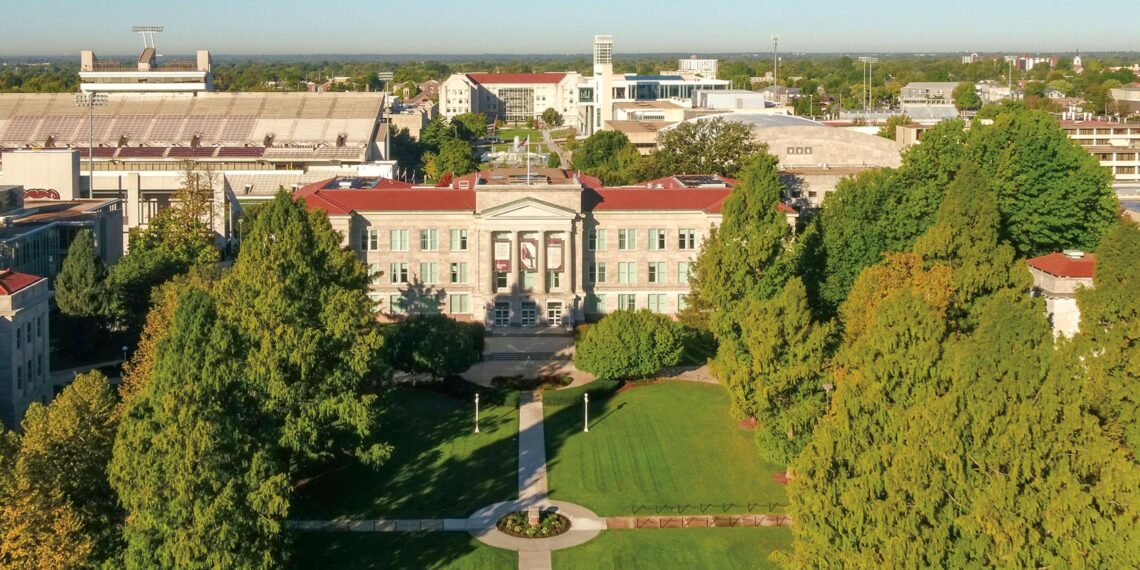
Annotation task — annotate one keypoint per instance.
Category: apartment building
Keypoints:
(1115, 145)
(512, 248)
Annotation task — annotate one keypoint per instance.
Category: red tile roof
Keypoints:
(1061, 265)
(12, 281)
(485, 78)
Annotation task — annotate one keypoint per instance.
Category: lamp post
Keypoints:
(125, 348)
(476, 412)
(586, 408)
(90, 100)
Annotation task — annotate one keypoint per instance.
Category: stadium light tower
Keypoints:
(90, 100)
(147, 32)
(868, 79)
(775, 59)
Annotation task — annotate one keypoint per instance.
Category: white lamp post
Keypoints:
(586, 423)
(476, 412)
(90, 100)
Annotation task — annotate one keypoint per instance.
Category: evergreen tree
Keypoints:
(309, 337)
(79, 287)
(850, 509)
(1109, 341)
(966, 237)
(65, 448)
(192, 463)
(784, 354)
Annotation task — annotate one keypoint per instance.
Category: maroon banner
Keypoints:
(528, 254)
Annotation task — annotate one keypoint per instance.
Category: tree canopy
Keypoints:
(710, 146)
(629, 345)
(608, 155)
(79, 287)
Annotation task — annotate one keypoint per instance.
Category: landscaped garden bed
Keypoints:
(550, 524)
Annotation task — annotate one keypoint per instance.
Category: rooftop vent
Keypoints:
(1074, 254)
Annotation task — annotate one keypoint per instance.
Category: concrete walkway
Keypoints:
(532, 450)
(556, 148)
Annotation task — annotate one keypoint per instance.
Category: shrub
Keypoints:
(431, 344)
(629, 344)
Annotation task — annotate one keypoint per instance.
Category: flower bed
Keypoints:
(549, 524)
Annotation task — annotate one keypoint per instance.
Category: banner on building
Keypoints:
(554, 255)
(502, 255)
(528, 254)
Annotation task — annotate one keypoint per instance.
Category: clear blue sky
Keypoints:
(63, 27)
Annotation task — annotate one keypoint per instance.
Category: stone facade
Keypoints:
(25, 374)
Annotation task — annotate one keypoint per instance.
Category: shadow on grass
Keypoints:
(439, 468)
(396, 550)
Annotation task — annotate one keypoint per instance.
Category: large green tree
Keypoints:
(193, 462)
(783, 356)
(1052, 194)
(966, 97)
(309, 338)
(608, 155)
(1109, 340)
(709, 146)
(629, 345)
(431, 344)
(454, 156)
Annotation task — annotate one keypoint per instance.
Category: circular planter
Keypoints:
(550, 524)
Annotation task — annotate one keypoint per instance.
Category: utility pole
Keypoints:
(775, 59)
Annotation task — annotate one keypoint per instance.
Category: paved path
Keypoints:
(556, 148)
(532, 450)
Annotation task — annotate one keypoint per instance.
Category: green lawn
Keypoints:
(667, 448)
(452, 550)
(439, 468)
(666, 549)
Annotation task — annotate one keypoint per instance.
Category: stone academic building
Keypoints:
(508, 247)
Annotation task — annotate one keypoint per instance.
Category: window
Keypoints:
(598, 272)
(396, 304)
(369, 240)
(657, 303)
(627, 272)
(500, 280)
(683, 270)
(656, 271)
(19, 337)
(399, 240)
(429, 272)
(627, 302)
(682, 302)
(553, 279)
(595, 304)
(458, 304)
(528, 280)
(398, 273)
(459, 272)
(429, 240)
(656, 240)
(687, 239)
(596, 240)
(458, 240)
(39, 327)
(19, 377)
(373, 272)
(627, 240)
(40, 366)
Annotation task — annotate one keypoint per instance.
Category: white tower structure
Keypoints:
(604, 80)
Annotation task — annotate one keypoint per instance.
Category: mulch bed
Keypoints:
(781, 477)
(750, 423)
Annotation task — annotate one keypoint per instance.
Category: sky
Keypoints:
(254, 27)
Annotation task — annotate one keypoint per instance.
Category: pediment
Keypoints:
(528, 209)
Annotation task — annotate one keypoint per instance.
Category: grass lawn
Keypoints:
(668, 448)
(676, 548)
(438, 469)
(452, 550)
